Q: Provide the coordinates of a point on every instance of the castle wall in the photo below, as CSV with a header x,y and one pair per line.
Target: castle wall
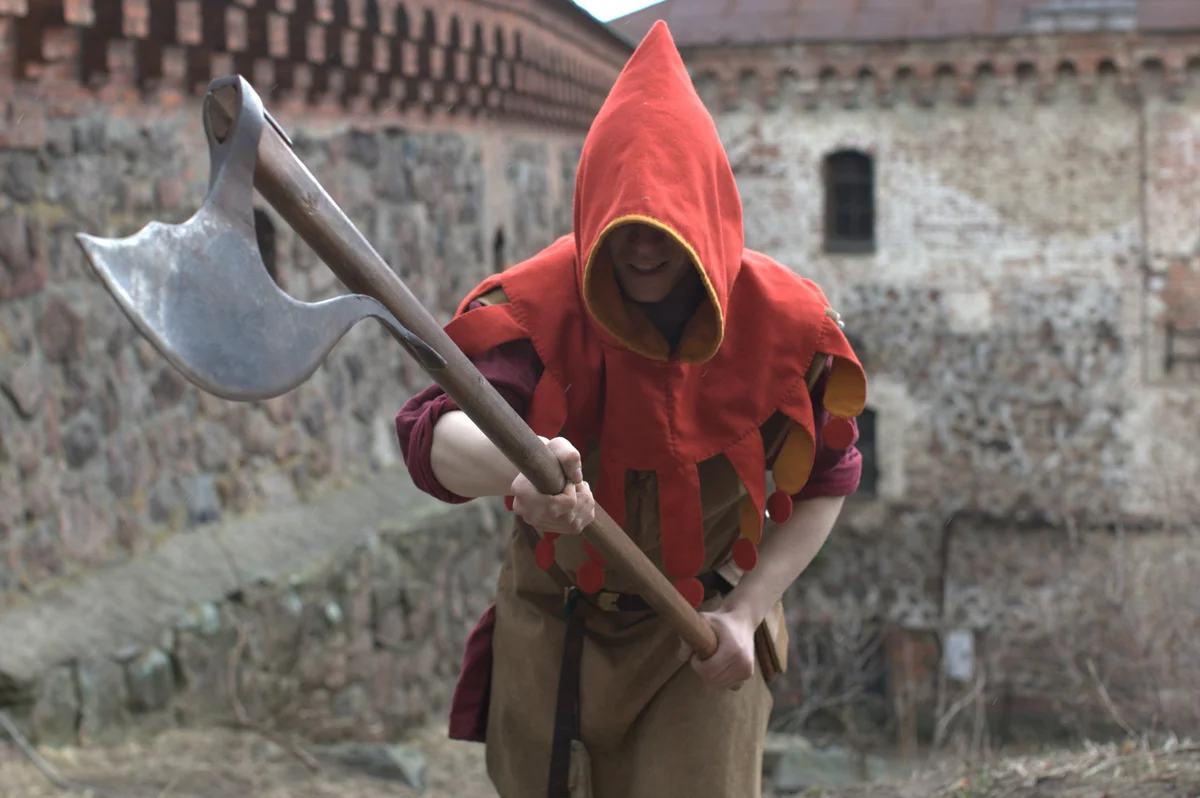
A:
x,y
449,136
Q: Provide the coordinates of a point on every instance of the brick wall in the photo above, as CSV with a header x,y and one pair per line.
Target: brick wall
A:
x,y
517,60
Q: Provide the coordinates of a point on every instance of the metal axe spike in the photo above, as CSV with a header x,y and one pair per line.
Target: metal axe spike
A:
x,y
200,292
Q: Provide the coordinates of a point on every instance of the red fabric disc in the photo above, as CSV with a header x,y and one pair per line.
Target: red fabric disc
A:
x,y
692,590
508,503
779,505
838,433
593,553
545,553
590,577
745,554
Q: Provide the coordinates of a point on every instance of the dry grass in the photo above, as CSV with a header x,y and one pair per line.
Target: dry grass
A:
x,y
1095,772
222,763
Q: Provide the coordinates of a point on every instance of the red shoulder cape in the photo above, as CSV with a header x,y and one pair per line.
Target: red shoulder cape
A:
x,y
653,157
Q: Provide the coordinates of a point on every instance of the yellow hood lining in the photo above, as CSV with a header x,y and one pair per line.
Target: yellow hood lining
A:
x,y
626,322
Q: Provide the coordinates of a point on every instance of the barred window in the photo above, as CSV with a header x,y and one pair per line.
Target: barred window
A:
x,y
849,202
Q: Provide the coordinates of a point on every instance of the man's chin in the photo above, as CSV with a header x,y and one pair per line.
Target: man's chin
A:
x,y
644,291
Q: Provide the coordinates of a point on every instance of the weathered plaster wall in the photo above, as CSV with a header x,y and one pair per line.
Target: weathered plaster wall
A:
x,y
1001,299
1035,234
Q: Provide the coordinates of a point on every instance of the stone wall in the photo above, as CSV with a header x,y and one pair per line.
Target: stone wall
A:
x,y
1035,235
362,644
104,448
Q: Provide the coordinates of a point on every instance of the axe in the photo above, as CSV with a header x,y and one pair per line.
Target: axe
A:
x,y
200,293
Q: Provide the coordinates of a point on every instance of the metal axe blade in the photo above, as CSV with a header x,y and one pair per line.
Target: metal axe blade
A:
x,y
200,293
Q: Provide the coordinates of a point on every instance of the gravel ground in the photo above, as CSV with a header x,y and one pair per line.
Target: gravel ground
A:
x,y
221,763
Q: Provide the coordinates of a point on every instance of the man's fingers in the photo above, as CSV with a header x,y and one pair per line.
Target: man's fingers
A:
x,y
720,672
568,456
585,508
563,505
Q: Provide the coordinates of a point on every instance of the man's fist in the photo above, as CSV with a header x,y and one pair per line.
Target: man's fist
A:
x,y
568,512
733,662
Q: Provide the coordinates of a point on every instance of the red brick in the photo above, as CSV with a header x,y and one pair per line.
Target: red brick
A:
x,y
188,28
222,65
387,16
411,64
79,12
135,18
437,62
236,36
264,76
358,14
315,43
121,61
349,47
277,35
381,52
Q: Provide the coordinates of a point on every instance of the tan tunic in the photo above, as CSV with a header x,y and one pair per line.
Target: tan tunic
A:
x,y
652,727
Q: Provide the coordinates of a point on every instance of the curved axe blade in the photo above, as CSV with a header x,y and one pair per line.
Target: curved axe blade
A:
x,y
199,290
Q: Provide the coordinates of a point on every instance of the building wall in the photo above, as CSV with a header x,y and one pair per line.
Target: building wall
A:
x,y
104,448
1036,233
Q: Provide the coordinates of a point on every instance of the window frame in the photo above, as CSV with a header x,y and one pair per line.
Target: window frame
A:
x,y
837,180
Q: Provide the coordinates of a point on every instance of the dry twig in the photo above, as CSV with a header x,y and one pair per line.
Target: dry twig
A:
x,y
964,701
233,669
45,768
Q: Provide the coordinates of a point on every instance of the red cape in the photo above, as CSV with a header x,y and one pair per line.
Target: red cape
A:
x,y
653,156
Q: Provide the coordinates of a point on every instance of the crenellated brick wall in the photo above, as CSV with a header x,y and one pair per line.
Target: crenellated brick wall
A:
x,y
514,61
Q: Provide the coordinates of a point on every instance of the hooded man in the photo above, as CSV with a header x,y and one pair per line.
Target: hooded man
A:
x,y
668,368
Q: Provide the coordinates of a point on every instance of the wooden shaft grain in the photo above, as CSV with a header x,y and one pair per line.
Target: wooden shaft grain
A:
x,y
286,183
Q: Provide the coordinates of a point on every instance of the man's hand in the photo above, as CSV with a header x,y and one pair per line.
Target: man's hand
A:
x,y
733,662
568,512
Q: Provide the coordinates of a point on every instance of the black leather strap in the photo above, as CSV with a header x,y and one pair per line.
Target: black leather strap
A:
x,y
566,711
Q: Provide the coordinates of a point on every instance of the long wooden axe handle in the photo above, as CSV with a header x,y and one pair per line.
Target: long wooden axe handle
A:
x,y
282,178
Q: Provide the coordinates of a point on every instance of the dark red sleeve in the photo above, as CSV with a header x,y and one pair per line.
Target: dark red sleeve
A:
x,y
513,369
834,473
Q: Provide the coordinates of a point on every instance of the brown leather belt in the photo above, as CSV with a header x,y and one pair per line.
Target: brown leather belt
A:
x,y
609,601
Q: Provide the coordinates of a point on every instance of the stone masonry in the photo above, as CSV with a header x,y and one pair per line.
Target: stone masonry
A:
x,y
105,445
357,636
449,138
1035,241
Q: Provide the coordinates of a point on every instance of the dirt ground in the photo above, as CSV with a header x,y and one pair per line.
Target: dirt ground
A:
x,y
220,763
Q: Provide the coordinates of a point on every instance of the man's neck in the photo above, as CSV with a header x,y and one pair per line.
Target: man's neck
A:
x,y
671,314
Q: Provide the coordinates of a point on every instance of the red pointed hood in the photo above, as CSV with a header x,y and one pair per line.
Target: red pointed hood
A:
x,y
653,156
